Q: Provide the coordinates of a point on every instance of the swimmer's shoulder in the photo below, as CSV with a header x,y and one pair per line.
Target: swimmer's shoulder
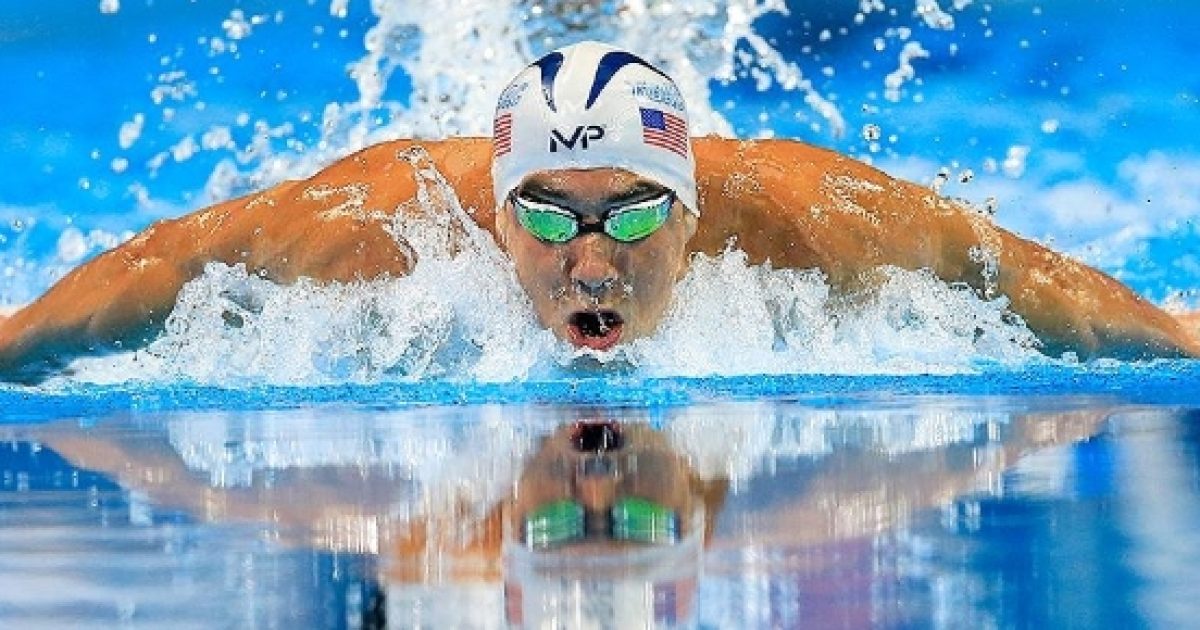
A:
x,y
798,162
385,174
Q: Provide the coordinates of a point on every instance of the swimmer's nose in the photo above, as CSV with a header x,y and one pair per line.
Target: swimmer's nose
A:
x,y
596,477
593,273
596,488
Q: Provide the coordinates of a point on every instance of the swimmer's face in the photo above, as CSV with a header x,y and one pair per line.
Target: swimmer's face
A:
x,y
641,465
593,290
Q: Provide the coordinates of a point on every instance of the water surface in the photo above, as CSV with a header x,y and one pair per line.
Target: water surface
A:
x,y
849,509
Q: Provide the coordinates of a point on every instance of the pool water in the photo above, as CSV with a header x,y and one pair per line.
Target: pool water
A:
x,y
880,509
914,463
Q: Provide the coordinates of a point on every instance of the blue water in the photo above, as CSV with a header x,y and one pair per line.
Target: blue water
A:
x,y
1157,383
1078,118
866,510
1094,92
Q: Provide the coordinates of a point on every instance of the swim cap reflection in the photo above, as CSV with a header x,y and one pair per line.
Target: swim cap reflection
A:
x,y
591,105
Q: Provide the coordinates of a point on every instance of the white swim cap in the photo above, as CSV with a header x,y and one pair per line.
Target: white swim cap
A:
x,y
591,105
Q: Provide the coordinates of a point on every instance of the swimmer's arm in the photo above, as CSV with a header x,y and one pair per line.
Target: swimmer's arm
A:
x,y
118,299
121,298
803,207
330,228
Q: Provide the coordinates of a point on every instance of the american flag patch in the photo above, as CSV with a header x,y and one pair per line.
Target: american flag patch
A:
x,y
661,129
502,134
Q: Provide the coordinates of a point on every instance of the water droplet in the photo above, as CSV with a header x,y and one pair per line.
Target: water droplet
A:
x,y
939,180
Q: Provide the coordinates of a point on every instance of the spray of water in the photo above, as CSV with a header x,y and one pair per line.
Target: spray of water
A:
x,y
459,57
460,314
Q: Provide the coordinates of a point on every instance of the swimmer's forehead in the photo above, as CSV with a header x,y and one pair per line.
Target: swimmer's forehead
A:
x,y
608,185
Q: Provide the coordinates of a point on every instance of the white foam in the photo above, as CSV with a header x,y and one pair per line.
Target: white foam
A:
x,y
461,315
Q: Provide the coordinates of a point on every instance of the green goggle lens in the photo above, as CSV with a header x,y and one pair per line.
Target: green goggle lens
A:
x,y
644,521
547,224
554,224
637,222
554,523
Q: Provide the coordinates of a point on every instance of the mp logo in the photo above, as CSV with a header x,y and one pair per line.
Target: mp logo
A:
x,y
582,135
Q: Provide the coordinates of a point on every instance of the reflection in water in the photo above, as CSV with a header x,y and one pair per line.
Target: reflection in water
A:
x,y
937,511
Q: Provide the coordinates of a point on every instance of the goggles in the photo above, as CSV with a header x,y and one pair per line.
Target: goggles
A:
x,y
631,222
631,519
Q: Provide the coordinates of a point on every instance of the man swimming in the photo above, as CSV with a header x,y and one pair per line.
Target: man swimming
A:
x,y
594,188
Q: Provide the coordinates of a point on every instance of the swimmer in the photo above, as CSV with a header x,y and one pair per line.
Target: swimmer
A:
x,y
593,187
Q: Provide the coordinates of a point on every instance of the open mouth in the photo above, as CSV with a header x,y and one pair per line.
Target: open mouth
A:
x,y
598,330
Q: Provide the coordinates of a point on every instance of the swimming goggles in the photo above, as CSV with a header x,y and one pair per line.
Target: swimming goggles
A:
x,y
631,519
553,223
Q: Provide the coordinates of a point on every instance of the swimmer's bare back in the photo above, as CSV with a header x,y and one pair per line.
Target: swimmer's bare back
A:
x,y
793,204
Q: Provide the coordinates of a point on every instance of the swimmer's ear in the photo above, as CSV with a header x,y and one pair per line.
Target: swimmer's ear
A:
x,y
692,222
503,224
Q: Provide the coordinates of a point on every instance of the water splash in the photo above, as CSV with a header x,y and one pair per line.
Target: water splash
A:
x,y
464,319
461,315
459,57
421,74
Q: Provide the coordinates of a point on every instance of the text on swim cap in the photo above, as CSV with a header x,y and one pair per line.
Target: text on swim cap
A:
x,y
582,135
663,94
511,95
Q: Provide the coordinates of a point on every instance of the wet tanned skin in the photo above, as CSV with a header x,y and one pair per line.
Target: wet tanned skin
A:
x,y
790,203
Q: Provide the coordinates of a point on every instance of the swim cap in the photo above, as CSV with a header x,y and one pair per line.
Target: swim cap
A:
x,y
591,105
